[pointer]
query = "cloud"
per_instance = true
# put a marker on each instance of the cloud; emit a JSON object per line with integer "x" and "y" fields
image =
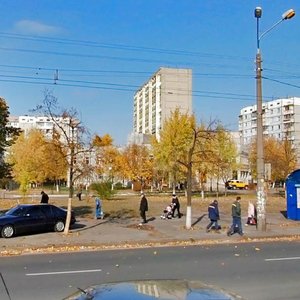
{"x": 34, "y": 27}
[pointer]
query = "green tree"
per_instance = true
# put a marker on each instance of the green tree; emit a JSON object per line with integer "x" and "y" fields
{"x": 8, "y": 136}
{"x": 102, "y": 189}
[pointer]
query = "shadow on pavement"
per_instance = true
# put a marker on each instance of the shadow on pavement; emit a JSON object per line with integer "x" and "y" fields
{"x": 198, "y": 220}
{"x": 151, "y": 219}
{"x": 83, "y": 227}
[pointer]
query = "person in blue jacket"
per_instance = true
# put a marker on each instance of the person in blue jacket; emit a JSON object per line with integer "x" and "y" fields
{"x": 213, "y": 215}
{"x": 98, "y": 211}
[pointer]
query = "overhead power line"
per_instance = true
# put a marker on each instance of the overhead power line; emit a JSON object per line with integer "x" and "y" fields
{"x": 281, "y": 82}
{"x": 118, "y": 87}
{"x": 86, "y": 43}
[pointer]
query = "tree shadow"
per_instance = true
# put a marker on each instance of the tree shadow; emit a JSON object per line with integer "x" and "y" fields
{"x": 81, "y": 211}
{"x": 198, "y": 220}
{"x": 82, "y": 227}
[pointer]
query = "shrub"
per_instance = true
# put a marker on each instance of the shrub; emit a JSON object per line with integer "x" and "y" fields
{"x": 102, "y": 189}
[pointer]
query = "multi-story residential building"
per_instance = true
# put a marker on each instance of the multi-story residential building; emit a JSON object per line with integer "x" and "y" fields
{"x": 47, "y": 126}
{"x": 166, "y": 90}
{"x": 43, "y": 123}
{"x": 281, "y": 120}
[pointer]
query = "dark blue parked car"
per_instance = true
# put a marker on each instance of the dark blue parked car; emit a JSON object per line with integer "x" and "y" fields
{"x": 29, "y": 218}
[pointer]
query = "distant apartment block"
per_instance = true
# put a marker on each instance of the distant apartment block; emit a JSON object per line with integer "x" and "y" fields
{"x": 281, "y": 120}
{"x": 47, "y": 126}
{"x": 166, "y": 90}
{"x": 43, "y": 123}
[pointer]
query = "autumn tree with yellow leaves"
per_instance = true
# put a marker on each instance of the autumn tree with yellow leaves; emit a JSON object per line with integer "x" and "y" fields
{"x": 136, "y": 164}
{"x": 107, "y": 157}
{"x": 35, "y": 159}
{"x": 183, "y": 144}
{"x": 73, "y": 139}
{"x": 280, "y": 154}
{"x": 223, "y": 155}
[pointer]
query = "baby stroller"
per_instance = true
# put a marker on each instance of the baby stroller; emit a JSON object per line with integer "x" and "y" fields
{"x": 167, "y": 212}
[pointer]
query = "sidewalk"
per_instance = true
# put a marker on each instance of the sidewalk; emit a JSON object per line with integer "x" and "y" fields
{"x": 91, "y": 234}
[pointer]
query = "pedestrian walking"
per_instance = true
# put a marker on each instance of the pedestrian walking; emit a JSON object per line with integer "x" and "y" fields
{"x": 143, "y": 208}
{"x": 213, "y": 215}
{"x": 79, "y": 193}
{"x": 98, "y": 211}
{"x": 45, "y": 197}
{"x": 176, "y": 206}
{"x": 236, "y": 218}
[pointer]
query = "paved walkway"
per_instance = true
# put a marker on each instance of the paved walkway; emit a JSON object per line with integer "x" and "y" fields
{"x": 127, "y": 233}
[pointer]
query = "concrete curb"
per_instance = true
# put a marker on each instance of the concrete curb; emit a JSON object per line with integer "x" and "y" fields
{"x": 142, "y": 244}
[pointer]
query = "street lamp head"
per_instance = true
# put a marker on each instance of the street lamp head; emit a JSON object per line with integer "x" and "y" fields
{"x": 288, "y": 14}
{"x": 258, "y": 12}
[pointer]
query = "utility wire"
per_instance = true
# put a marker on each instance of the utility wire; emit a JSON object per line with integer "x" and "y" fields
{"x": 125, "y": 87}
{"x": 116, "y": 46}
{"x": 281, "y": 82}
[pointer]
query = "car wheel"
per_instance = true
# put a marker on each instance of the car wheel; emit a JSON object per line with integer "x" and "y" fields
{"x": 234, "y": 187}
{"x": 59, "y": 226}
{"x": 246, "y": 187}
{"x": 7, "y": 231}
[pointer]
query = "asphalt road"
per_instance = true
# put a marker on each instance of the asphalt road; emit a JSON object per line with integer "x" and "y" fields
{"x": 254, "y": 271}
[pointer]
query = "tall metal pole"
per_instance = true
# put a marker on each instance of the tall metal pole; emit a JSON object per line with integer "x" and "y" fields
{"x": 261, "y": 198}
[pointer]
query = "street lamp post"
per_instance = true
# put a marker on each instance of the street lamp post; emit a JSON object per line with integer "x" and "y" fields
{"x": 261, "y": 197}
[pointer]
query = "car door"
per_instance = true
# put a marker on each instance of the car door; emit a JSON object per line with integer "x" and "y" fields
{"x": 48, "y": 211}
{"x": 35, "y": 220}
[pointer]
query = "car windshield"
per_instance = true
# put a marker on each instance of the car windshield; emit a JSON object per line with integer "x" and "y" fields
{"x": 17, "y": 211}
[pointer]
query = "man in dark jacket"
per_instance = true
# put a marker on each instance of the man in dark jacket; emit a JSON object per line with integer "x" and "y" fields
{"x": 176, "y": 206}
{"x": 236, "y": 218}
{"x": 45, "y": 197}
{"x": 213, "y": 215}
{"x": 143, "y": 208}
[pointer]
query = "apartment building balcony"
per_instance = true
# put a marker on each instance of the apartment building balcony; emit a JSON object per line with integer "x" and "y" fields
{"x": 288, "y": 127}
{"x": 253, "y": 116}
{"x": 288, "y": 120}
{"x": 288, "y": 112}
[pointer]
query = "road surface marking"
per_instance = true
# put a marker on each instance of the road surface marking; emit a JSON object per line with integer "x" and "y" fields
{"x": 283, "y": 258}
{"x": 63, "y": 272}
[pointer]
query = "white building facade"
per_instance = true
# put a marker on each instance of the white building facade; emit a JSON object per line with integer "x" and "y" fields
{"x": 166, "y": 90}
{"x": 44, "y": 124}
{"x": 27, "y": 123}
{"x": 281, "y": 120}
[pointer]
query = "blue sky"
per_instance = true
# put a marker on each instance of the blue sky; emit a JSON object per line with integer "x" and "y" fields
{"x": 105, "y": 50}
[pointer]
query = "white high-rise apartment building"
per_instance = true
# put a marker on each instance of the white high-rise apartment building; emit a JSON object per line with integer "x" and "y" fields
{"x": 166, "y": 90}
{"x": 281, "y": 119}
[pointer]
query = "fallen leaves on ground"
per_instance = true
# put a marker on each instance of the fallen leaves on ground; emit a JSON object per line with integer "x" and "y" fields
{"x": 146, "y": 227}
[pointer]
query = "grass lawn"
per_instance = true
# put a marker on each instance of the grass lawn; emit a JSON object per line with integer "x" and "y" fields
{"x": 127, "y": 206}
